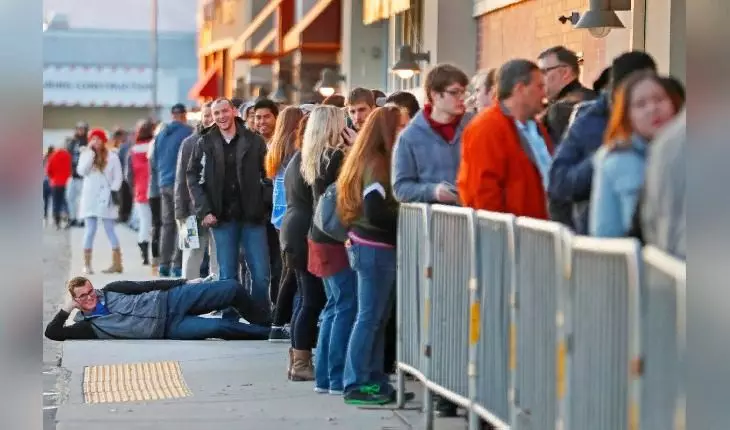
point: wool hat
(97, 132)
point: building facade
(288, 42)
(107, 77)
(248, 48)
(523, 28)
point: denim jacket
(277, 214)
(618, 177)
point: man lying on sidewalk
(161, 309)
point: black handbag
(113, 195)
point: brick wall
(524, 29)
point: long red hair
(282, 141)
(370, 153)
(619, 128)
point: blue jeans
(334, 331)
(376, 272)
(230, 237)
(186, 302)
(90, 232)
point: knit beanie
(97, 132)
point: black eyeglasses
(85, 295)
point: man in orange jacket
(506, 154)
(58, 171)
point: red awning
(207, 86)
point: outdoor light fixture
(407, 65)
(597, 19)
(328, 82)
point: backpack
(325, 215)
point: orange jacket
(496, 173)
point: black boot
(144, 249)
(444, 408)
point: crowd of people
(300, 203)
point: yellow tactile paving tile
(133, 382)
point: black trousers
(287, 290)
(276, 265)
(125, 202)
(304, 329)
(156, 209)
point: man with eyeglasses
(160, 309)
(426, 155)
(561, 70)
(427, 152)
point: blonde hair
(323, 132)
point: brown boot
(302, 369)
(87, 262)
(291, 362)
(155, 266)
(116, 266)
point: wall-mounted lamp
(328, 82)
(597, 20)
(407, 65)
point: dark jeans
(170, 255)
(156, 226)
(304, 328)
(272, 235)
(58, 199)
(285, 298)
(125, 202)
(46, 197)
(186, 302)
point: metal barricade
(413, 259)
(602, 337)
(453, 295)
(539, 267)
(663, 338)
(496, 265)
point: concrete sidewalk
(233, 384)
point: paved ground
(232, 383)
(56, 257)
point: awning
(293, 38)
(85, 86)
(238, 47)
(208, 85)
(376, 10)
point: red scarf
(448, 130)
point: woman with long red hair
(102, 173)
(281, 149)
(643, 105)
(365, 204)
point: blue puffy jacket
(166, 147)
(571, 172)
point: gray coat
(664, 207)
(183, 202)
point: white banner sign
(127, 87)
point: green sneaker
(367, 395)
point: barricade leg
(400, 398)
